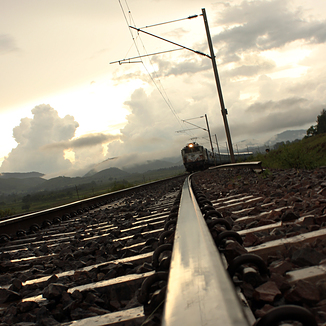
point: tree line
(320, 127)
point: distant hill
(148, 166)
(107, 175)
(100, 166)
(16, 185)
(254, 145)
(32, 184)
(288, 135)
(57, 184)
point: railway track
(149, 256)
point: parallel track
(89, 269)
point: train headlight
(191, 145)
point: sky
(64, 107)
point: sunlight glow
(288, 60)
(249, 97)
(97, 106)
(295, 72)
(69, 154)
(292, 54)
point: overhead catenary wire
(162, 90)
(164, 39)
(170, 21)
(142, 56)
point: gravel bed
(302, 196)
(85, 252)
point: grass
(309, 153)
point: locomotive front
(194, 157)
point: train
(196, 157)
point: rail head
(199, 290)
(249, 165)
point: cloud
(277, 106)
(87, 140)
(150, 132)
(265, 25)
(44, 140)
(252, 65)
(248, 29)
(189, 65)
(262, 92)
(7, 44)
(44, 128)
(177, 33)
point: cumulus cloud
(44, 128)
(150, 132)
(44, 140)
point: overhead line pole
(218, 85)
(209, 134)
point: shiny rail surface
(199, 290)
(247, 165)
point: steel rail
(245, 165)
(199, 290)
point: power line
(162, 92)
(170, 21)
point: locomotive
(196, 157)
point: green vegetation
(320, 127)
(308, 153)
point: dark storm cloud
(7, 44)
(271, 116)
(276, 106)
(255, 68)
(188, 66)
(265, 25)
(87, 140)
